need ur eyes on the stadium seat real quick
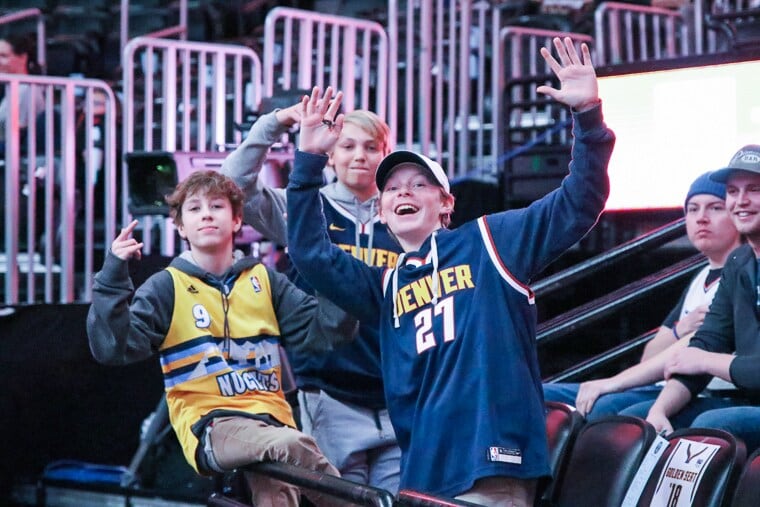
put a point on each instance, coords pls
(603, 461)
(747, 492)
(713, 481)
(563, 423)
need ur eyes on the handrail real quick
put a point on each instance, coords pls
(410, 498)
(652, 239)
(343, 489)
(601, 307)
(724, 22)
(592, 363)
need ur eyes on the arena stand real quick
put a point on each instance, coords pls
(181, 77)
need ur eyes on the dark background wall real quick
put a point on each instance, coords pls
(57, 402)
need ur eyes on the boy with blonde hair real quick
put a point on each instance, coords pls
(341, 395)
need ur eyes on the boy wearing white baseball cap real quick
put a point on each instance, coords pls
(457, 318)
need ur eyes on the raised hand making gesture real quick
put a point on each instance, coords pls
(125, 246)
(320, 124)
(578, 86)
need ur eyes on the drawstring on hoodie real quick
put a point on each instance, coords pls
(434, 255)
(224, 290)
(358, 227)
(394, 288)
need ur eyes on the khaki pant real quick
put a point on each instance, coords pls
(237, 441)
(501, 492)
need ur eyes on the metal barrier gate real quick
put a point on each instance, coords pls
(628, 33)
(304, 48)
(185, 96)
(59, 187)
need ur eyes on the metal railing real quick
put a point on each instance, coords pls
(305, 48)
(653, 239)
(439, 76)
(585, 368)
(55, 157)
(518, 69)
(627, 33)
(185, 96)
(707, 39)
(334, 487)
(591, 312)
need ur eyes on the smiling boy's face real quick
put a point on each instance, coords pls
(411, 204)
(208, 222)
(355, 159)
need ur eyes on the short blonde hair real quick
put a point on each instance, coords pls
(373, 125)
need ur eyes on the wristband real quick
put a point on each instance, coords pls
(675, 333)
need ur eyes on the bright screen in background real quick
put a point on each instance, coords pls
(674, 125)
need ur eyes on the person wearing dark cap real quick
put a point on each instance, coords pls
(726, 345)
(710, 230)
(457, 317)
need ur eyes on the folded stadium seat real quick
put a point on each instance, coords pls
(603, 461)
(563, 423)
(747, 492)
(700, 465)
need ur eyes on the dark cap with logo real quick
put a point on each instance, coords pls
(746, 159)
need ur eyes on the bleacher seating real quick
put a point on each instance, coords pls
(713, 458)
(563, 423)
(83, 39)
(610, 448)
(747, 492)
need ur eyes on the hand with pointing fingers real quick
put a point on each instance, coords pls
(125, 246)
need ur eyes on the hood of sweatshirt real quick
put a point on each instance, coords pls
(363, 213)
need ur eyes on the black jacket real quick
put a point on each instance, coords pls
(732, 325)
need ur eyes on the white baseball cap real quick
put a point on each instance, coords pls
(402, 157)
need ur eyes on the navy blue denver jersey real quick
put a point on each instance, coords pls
(457, 320)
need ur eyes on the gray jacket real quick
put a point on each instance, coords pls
(121, 332)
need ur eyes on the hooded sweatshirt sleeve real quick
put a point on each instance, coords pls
(530, 238)
(120, 332)
(348, 282)
(264, 207)
(308, 322)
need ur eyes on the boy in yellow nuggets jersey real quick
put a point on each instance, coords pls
(216, 322)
